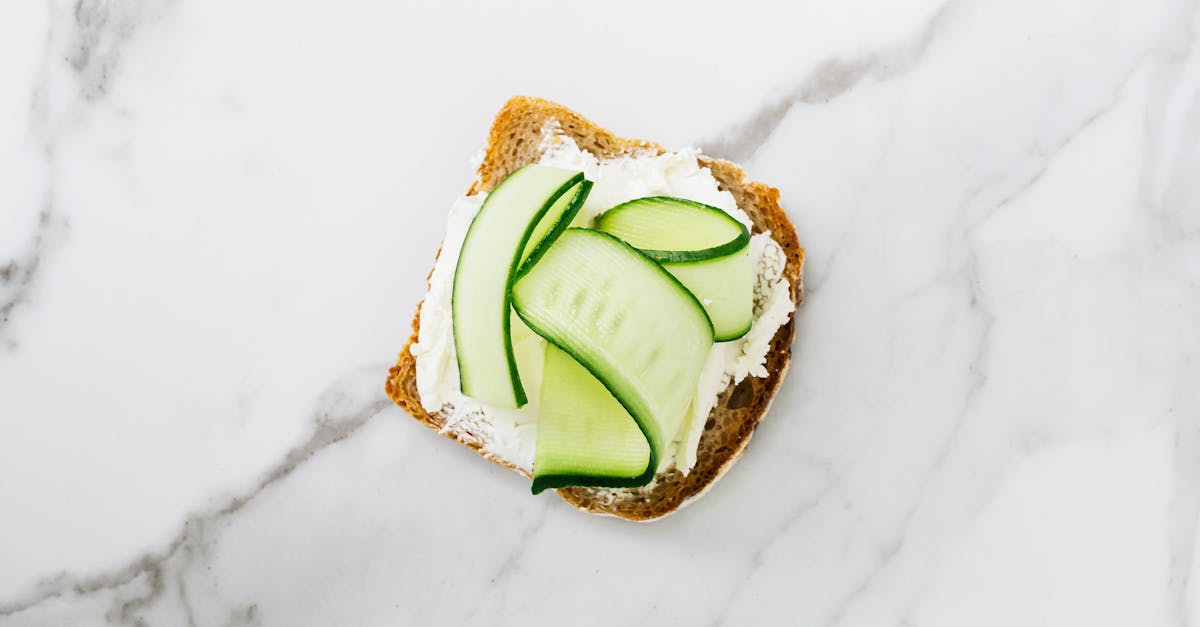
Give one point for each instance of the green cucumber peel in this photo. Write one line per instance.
(563, 191)
(739, 237)
(657, 411)
(701, 245)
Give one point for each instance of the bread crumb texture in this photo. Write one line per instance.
(518, 137)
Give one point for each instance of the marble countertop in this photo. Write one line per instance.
(216, 218)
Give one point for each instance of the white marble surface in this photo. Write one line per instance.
(215, 218)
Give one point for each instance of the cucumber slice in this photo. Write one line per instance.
(641, 333)
(675, 230)
(556, 219)
(516, 224)
(725, 286)
(704, 247)
(584, 436)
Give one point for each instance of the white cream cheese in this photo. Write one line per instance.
(509, 434)
(505, 433)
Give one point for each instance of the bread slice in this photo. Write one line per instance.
(515, 140)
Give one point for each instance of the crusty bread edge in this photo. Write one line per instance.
(496, 164)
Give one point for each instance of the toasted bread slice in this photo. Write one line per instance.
(515, 140)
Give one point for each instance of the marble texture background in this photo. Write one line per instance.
(215, 218)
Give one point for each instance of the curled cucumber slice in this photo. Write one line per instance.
(702, 246)
(584, 436)
(516, 225)
(625, 320)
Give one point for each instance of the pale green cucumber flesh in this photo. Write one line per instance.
(674, 229)
(584, 436)
(641, 333)
(704, 247)
(556, 219)
(498, 240)
(725, 286)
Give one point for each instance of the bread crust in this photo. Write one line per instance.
(514, 141)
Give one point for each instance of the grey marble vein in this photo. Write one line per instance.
(823, 84)
(102, 31)
(336, 418)
(937, 526)
(1168, 212)
(181, 582)
(526, 538)
(813, 280)
(94, 45)
(780, 531)
(507, 563)
(18, 274)
(1185, 506)
(977, 367)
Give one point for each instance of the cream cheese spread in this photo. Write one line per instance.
(509, 434)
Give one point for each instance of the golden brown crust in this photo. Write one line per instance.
(514, 140)
(401, 387)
